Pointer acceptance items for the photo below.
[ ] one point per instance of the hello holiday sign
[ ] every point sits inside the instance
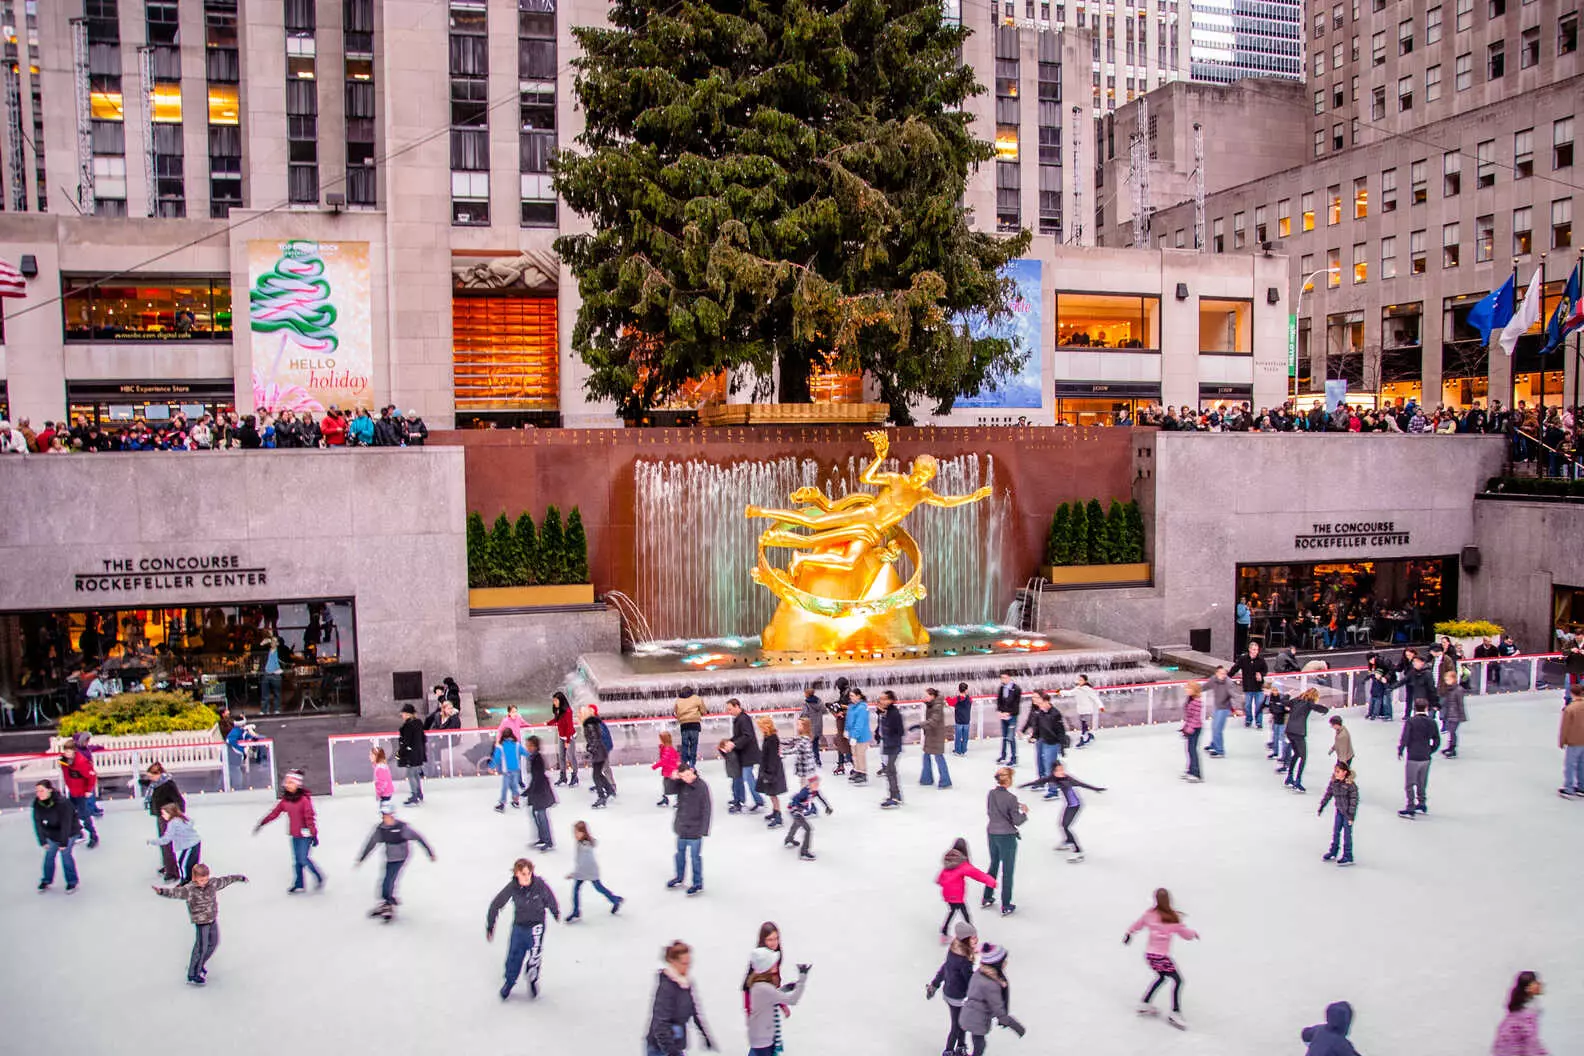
(310, 317)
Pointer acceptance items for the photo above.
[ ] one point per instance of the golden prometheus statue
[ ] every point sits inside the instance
(841, 592)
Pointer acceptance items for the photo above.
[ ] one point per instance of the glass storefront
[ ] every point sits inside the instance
(1567, 609)
(118, 404)
(1101, 402)
(1224, 398)
(1337, 604)
(215, 652)
(1100, 320)
(166, 309)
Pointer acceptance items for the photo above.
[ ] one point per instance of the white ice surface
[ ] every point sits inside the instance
(1424, 935)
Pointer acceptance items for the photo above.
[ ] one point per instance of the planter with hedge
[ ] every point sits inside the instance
(1468, 634)
(135, 714)
(1090, 546)
(514, 565)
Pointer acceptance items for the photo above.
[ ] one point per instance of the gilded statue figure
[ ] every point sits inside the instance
(841, 591)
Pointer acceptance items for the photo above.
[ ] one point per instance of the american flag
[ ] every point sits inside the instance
(12, 284)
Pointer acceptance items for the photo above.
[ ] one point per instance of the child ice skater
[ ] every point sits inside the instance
(1345, 792)
(988, 1000)
(586, 870)
(201, 892)
(395, 834)
(667, 765)
(953, 975)
(801, 807)
(507, 761)
(953, 880)
(384, 787)
(1163, 923)
(1068, 786)
(182, 839)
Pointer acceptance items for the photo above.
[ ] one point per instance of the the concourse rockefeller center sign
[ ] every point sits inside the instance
(182, 572)
(1350, 535)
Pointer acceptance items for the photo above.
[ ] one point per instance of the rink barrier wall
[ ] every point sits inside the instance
(466, 753)
(199, 768)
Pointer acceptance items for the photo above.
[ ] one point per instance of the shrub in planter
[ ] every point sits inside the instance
(1078, 536)
(1117, 534)
(136, 713)
(577, 566)
(1099, 540)
(552, 549)
(477, 551)
(1056, 538)
(1135, 531)
(1468, 629)
(526, 555)
(502, 553)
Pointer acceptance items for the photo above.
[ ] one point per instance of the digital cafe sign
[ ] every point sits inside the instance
(184, 572)
(1349, 535)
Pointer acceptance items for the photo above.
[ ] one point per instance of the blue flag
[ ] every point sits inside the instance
(1495, 310)
(1569, 315)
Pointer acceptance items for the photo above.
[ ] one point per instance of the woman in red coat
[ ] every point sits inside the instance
(565, 724)
(297, 804)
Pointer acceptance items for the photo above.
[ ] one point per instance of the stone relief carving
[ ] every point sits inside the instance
(532, 269)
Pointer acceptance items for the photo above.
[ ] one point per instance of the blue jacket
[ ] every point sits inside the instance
(1330, 1038)
(362, 429)
(858, 723)
(507, 756)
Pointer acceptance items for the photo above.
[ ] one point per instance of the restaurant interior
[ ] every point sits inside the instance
(1348, 604)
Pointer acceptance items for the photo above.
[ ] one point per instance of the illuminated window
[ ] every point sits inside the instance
(1333, 205)
(1226, 327)
(505, 353)
(1333, 268)
(1088, 320)
(105, 106)
(224, 108)
(1006, 142)
(167, 103)
(1306, 206)
(1360, 263)
(1284, 218)
(1360, 199)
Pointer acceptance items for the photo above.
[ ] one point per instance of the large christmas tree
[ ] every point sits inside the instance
(771, 182)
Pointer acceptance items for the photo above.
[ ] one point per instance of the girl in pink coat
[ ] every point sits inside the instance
(667, 764)
(384, 787)
(1519, 1033)
(953, 880)
(1163, 923)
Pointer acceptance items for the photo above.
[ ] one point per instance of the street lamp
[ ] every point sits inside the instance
(1298, 313)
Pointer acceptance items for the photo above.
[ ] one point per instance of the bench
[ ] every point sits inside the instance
(129, 756)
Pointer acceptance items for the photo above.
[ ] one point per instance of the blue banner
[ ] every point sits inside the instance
(1022, 326)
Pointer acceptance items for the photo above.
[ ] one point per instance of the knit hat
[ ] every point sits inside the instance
(990, 953)
(763, 959)
(964, 930)
(296, 774)
(387, 808)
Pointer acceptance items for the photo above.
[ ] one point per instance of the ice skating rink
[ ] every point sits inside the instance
(1423, 935)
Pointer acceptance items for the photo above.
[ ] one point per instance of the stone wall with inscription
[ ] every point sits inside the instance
(1225, 499)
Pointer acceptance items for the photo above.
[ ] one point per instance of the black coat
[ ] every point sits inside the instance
(1009, 698)
(892, 730)
(1252, 668)
(410, 748)
(540, 795)
(593, 742)
(529, 904)
(1419, 738)
(163, 793)
(668, 1018)
(56, 820)
(745, 742)
(1048, 726)
(772, 775)
(692, 820)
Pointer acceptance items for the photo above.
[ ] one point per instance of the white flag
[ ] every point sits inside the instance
(1527, 315)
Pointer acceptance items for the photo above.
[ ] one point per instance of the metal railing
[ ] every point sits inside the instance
(199, 768)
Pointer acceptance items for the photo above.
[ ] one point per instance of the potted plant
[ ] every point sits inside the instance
(1093, 546)
(1467, 634)
(516, 566)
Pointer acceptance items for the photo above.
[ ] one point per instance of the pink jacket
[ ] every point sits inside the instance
(668, 761)
(1160, 933)
(1193, 714)
(384, 787)
(953, 881)
(1519, 1035)
(517, 724)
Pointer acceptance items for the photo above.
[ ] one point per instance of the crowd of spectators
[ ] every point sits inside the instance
(220, 432)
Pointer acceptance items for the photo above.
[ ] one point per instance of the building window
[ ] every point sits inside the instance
(1319, 24)
(1319, 142)
(1529, 48)
(1451, 174)
(1284, 218)
(1333, 205)
(1306, 206)
(107, 308)
(1465, 14)
(1353, 54)
(224, 71)
(358, 25)
(1419, 181)
(1416, 253)
(1388, 260)
(1378, 103)
(1336, 16)
(1239, 235)
(1433, 24)
(1336, 56)
(1217, 235)
(1484, 238)
(1261, 232)
(1432, 83)
(1567, 33)
(1404, 94)
(1226, 327)
(1360, 263)
(1378, 49)
(1388, 194)
(1562, 223)
(1360, 198)
(1523, 233)
(1338, 96)
(536, 29)
(1306, 268)
(1497, 8)
(1562, 143)
(1463, 73)
(1009, 194)
(1091, 320)
(1496, 61)
(505, 354)
(302, 106)
(1449, 245)
(1050, 201)
(1523, 154)
(1337, 142)
(470, 138)
(1485, 157)
(1333, 268)
(1405, 37)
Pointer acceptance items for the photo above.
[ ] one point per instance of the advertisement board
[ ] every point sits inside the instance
(310, 316)
(1022, 326)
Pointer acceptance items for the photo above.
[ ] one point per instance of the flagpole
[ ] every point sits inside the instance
(1540, 413)
(1578, 362)
(1512, 382)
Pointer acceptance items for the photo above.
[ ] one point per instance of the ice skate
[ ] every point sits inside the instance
(1147, 1009)
(1176, 1020)
(1076, 857)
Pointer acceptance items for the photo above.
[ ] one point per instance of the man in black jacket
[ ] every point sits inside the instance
(1419, 739)
(412, 753)
(1047, 731)
(891, 733)
(814, 711)
(1419, 682)
(691, 824)
(1009, 700)
(57, 827)
(1251, 665)
(531, 897)
(745, 746)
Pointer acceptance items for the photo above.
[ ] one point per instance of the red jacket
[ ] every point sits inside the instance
(333, 428)
(566, 726)
(953, 880)
(80, 775)
(299, 813)
(668, 762)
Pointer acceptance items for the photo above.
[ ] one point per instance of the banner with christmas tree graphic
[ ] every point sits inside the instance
(310, 311)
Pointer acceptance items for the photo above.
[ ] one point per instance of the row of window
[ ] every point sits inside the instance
(1529, 49)
(1464, 14)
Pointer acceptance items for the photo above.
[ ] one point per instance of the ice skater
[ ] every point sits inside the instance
(1378, 677)
(412, 753)
(745, 746)
(586, 870)
(1004, 813)
(1009, 701)
(1454, 711)
(805, 764)
(506, 760)
(814, 712)
(962, 718)
(161, 791)
(1419, 739)
(394, 834)
(531, 899)
(1330, 1038)
(384, 787)
(766, 999)
(859, 735)
(57, 827)
(1304, 705)
(956, 871)
(182, 838)
(1067, 786)
(801, 807)
(201, 892)
(594, 748)
(892, 731)
(674, 1006)
(1342, 789)
(1519, 1032)
(1341, 741)
(539, 796)
(1192, 727)
(1088, 705)
(988, 1001)
(565, 724)
(296, 803)
(689, 711)
(838, 712)
(770, 942)
(772, 780)
(667, 764)
(1164, 923)
(1220, 689)
(1047, 732)
(953, 976)
(1252, 669)
(1279, 748)
(691, 823)
(81, 781)
(932, 739)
